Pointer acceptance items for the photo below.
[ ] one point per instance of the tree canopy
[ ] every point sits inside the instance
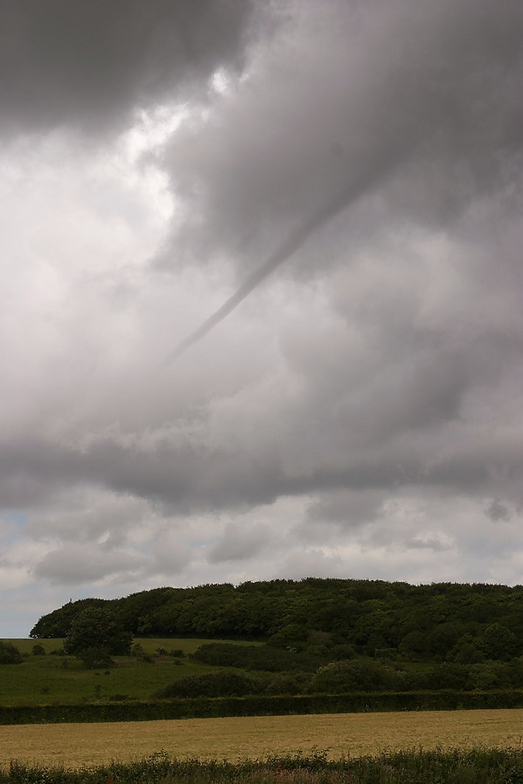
(462, 623)
(97, 628)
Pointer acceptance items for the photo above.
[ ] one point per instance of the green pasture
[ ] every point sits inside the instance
(56, 679)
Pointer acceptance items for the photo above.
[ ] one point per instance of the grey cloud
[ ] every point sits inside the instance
(428, 87)
(346, 507)
(202, 477)
(438, 545)
(88, 514)
(239, 544)
(497, 511)
(313, 563)
(73, 564)
(170, 553)
(90, 64)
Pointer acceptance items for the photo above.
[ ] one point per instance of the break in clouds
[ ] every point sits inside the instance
(261, 294)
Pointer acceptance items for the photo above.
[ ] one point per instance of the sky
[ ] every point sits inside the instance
(261, 292)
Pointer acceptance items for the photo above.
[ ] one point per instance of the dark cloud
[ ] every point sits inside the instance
(498, 511)
(435, 90)
(425, 94)
(90, 64)
(346, 507)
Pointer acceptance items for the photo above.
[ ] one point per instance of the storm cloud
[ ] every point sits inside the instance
(317, 213)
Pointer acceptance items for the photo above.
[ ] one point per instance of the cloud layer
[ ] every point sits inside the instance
(356, 170)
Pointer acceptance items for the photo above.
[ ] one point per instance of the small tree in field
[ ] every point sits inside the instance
(97, 627)
(96, 658)
(9, 654)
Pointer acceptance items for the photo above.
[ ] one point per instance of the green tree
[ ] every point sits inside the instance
(98, 627)
(414, 645)
(219, 684)
(291, 636)
(96, 658)
(466, 651)
(349, 676)
(498, 642)
(9, 654)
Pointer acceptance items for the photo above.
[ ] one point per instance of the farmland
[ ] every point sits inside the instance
(52, 679)
(73, 745)
(146, 748)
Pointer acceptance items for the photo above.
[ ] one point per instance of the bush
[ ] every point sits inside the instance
(219, 684)
(97, 627)
(340, 652)
(288, 683)
(95, 658)
(448, 675)
(292, 636)
(498, 642)
(9, 654)
(346, 676)
(38, 650)
(138, 652)
(256, 657)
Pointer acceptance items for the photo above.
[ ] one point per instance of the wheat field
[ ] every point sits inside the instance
(356, 734)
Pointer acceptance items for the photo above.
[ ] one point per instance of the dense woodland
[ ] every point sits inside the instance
(332, 618)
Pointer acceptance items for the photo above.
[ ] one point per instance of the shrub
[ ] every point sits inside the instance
(138, 652)
(256, 657)
(348, 676)
(38, 650)
(498, 642)
(339, 652)
(9, 654)
(219, 684)
(95, 658)
(293, 636)
(288, 683)
(448, 675)
(97, 627)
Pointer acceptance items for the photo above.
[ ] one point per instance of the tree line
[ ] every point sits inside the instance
(459, 623)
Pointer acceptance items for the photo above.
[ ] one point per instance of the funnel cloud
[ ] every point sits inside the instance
(280, 256)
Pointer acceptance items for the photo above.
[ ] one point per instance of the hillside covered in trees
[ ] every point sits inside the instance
(443, 621)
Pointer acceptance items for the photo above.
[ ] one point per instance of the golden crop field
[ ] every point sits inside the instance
(355, 734)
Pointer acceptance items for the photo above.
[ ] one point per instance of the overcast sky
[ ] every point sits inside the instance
(353, 172)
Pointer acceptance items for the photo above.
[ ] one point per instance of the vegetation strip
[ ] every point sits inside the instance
(221, 707)
(488, 766)
(239, 738)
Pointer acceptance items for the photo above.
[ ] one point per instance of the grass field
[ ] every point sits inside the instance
(239, 738)
(150, 645)
(49, 679)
